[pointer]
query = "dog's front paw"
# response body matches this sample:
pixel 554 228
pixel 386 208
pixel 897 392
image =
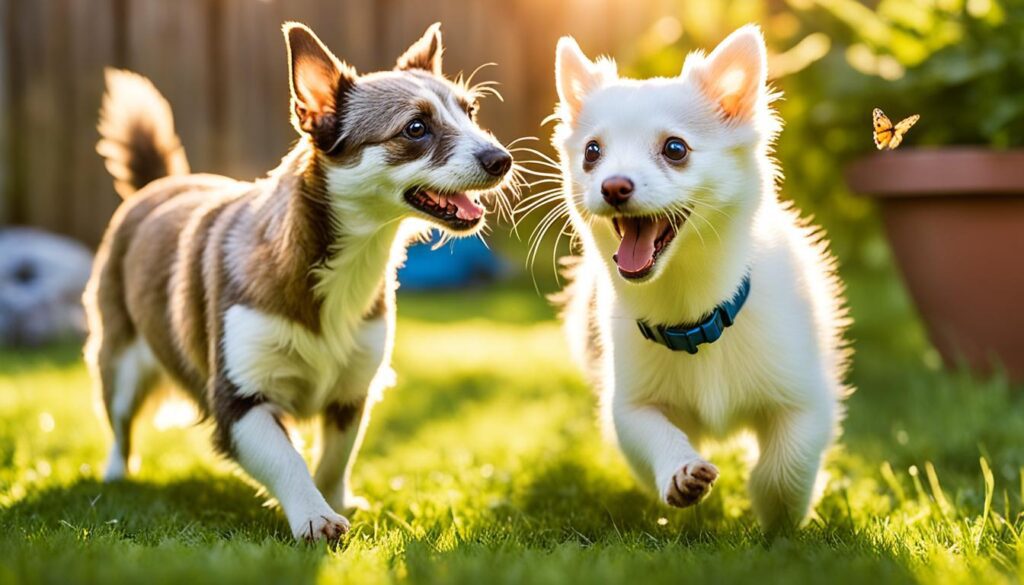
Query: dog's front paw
pixel 690 483
pixel 329 526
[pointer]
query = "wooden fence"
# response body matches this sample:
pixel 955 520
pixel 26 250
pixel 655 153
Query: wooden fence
pixel 221 63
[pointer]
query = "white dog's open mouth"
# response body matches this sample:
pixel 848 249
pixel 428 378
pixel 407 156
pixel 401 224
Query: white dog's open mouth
pixel 456 211
pixel 643 240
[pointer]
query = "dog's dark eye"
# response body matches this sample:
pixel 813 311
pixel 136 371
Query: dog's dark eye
pixel 675 149
pixel 592 152
pixel 415 129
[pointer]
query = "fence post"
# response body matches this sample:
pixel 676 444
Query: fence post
pixel 4 149
pixel 8 197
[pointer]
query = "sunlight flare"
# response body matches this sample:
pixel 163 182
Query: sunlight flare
pixel 175 414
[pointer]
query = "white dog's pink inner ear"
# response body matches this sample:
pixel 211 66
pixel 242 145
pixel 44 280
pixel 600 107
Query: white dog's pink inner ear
pixel 732 90
pixel 733 76
pixel 575 76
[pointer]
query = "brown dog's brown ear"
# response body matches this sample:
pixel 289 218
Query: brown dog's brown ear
pixel 319 82
pixel 425 53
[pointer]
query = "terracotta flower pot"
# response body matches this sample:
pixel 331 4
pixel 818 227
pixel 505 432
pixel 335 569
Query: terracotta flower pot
pixel 955 220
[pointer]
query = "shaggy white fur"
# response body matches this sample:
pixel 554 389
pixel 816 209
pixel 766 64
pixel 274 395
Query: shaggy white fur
pixel 779 370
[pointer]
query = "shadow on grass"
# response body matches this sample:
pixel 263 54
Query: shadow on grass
pixel 569 524
pixel 689 562
pixel 566 496
pixel 201 529
pixel 404 409
pixel 149 512
pixel 591 508
pixel 58 355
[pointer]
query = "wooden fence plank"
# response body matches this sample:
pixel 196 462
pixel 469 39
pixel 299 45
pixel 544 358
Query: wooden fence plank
pixel 222 65
pixel 257 126
pixel 92 199
pixel 168 42
pixel 38 99
pixel 257 129
pixel 356 42
pixel 6 198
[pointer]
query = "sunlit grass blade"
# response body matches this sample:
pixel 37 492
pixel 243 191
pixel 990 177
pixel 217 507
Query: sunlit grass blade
pixel 893 482
pixel 938 495
pixel 990 483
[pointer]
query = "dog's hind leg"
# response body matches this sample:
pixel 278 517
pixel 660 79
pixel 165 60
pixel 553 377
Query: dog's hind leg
pixel 782 483
pixel 343 426
pixel 127 381
pixel 345 420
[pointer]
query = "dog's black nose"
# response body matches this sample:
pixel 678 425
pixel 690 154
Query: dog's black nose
pixel 616 190
pixel 495 161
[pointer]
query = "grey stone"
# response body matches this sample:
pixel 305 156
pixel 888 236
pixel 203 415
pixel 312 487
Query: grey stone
pixel 42 277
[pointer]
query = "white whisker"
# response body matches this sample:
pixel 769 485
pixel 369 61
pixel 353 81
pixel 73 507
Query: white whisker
pixel 542 155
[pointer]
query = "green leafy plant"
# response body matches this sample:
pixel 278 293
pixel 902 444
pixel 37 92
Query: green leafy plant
pixel 956 62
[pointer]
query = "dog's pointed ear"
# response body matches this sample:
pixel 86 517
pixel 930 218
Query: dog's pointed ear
pixel 734 75
pixel 319 83
pixel 576 76
pixel 425 53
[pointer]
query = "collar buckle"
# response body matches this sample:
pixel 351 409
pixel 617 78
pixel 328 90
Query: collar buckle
pixel 646 331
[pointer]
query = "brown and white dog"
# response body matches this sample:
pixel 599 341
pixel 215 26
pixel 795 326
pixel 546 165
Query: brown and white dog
pixel 273 301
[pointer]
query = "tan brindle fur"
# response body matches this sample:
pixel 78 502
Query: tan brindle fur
pixel 184 249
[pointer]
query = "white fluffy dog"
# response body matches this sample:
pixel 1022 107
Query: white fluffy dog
pixel 701 304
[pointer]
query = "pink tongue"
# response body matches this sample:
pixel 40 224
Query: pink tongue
pixel 467 209
pixel 636 251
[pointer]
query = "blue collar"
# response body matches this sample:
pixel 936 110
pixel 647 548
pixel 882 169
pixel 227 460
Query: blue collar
pixel 708 330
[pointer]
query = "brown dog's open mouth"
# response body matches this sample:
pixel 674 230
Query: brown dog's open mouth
pixel 643 239
pixel 456 211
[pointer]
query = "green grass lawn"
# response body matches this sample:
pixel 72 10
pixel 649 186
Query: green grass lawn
pixel 485 465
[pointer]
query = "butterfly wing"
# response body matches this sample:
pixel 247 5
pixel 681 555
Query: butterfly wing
pixel 895 141
pixel 883 128
pixel 879 120
pixel 900 129
pixel 906 123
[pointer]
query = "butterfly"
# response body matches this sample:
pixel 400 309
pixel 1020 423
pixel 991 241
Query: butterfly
pixel 887 135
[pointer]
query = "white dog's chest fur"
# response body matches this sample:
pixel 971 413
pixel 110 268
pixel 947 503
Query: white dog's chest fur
pixel 671 188
pixel 700 393
pixel 779 354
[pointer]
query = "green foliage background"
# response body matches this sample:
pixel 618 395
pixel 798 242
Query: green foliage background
pixel 957 63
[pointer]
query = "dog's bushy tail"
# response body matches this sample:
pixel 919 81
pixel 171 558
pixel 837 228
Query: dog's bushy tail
pixel 137 137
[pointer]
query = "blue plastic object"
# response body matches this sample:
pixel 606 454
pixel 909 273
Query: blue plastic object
pixel 459 263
